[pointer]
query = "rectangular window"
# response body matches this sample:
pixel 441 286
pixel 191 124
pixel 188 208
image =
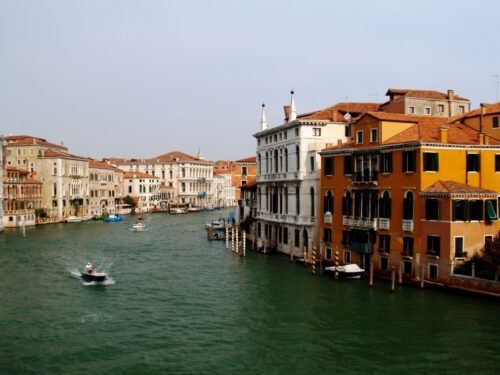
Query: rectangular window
pixel 495 122
pixel 431 209
pixel 409 161
pixel 347 165
pixel 431 161
pixel 347 256
pixel 327 235
pixel 473 163
pixel 440 108
pixel 384 263
pixel 384 243
pixel 328 253
pixel 461 109
pixel 285 236
pixel 244 171
pixel 459 210
pixel 459 247
pixel 476 210
pixel 328 171
pixel 346 238
pixel 407 267
pixel 297 238
pixel 408 246
pixel 312 163
pixel 497 163
pixel 427 110
pixel 433 245
pixel 386 162
pixel 373 135
pixel 317 132
pixel 359 137
pixel 411 110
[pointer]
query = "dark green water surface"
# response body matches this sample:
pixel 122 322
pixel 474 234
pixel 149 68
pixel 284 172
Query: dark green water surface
pixel 180 304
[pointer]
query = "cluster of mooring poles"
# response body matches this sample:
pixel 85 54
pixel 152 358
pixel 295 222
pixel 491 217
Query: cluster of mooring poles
pixel 238 245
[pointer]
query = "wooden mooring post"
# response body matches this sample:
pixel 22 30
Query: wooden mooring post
pixel 371 272
pixel 422 277
pixel 393 278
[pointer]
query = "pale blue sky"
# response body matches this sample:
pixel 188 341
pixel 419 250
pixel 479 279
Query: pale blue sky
pixel 141 78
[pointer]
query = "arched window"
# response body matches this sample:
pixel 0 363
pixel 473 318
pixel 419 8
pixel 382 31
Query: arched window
pixel 286 200
pixel 259 166
pixel 385 205
pixel 275 161
pixel 328 203
pixel 313 211
pixel 286 160
pixel 408 206
pixel 297 201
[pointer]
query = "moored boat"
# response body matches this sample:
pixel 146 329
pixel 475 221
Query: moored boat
pixel 74 219
pixel 113 218
pixel 347 271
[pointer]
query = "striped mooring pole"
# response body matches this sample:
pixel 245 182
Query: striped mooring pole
pixel 314 259
pixel 336 263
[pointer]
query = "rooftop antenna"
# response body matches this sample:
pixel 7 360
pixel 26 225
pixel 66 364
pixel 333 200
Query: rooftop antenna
pixel 496 82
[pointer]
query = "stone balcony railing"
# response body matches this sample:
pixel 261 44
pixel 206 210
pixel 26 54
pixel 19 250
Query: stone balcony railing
pixel 285 218
pixel 364 223
pixel 280 176
pixel 384 223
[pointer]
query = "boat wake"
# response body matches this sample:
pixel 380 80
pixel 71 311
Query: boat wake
pixel 140 230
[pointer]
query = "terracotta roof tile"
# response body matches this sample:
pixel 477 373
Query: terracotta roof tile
pixel 422 94
pixel 26 140
pixel 336 112
pixel 251 159
pixel 60 154
pixel 489 109
pixel 452 187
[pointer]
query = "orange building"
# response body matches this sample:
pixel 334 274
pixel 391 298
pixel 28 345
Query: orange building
pixel 242 171
pixel 410 192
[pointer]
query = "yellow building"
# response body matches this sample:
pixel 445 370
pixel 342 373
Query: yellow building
pixel 410 192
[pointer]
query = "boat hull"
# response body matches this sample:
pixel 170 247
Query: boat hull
pixel 98 277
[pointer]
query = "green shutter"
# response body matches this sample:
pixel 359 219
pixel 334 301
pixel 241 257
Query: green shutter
pixel 490 211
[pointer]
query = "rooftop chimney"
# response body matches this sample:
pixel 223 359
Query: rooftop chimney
pixel 443 134
pixel 481 138
pixel 451 95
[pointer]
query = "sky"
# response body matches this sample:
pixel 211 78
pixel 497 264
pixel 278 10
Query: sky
pixel 122 78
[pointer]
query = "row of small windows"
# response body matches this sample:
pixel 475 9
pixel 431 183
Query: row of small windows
pixel 430 163
pixel 284 136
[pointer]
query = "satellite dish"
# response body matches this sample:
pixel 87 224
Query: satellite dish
pixel 347 116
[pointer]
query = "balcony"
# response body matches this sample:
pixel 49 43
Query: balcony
pixel 327 218
pixel 363 223
pixel 384 223
pixel 408 225
pixel 365 177
pixel 362 247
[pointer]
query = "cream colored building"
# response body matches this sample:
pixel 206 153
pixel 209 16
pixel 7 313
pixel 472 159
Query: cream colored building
pixel 106 185
pixel 1 184
pixel 144 188
pixel 65 180
pixel 191 178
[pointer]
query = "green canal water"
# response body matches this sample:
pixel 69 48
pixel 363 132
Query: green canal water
pixel 177 303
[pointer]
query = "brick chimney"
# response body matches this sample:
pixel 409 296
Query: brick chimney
pixel 481 138
pixel 334 115
pixel 443 134
pixel 451 95
pixel 286 108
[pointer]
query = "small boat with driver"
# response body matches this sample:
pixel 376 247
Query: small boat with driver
pixel 139 225
pixel 89 274
pixel 347 271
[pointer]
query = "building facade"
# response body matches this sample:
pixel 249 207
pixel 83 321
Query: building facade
pixel 409 192
pixel 191 178
pixel 105 188
pixel 65 184
pixel 145 189
pixel 1 184
pixel 288 171
pixel 22 196
pixel 425 103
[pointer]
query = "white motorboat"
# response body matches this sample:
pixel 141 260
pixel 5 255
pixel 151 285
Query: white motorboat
pixel 74 219
pixel 89 274
pixel 139 226
pixel 347 271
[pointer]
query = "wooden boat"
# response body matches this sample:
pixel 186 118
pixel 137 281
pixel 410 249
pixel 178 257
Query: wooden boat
pixel 74 219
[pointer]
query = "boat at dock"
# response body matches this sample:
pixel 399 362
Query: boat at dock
pixel 113 218
pixel 347 271
pixel 74 219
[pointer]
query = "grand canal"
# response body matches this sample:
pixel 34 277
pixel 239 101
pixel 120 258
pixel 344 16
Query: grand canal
pixel 179 304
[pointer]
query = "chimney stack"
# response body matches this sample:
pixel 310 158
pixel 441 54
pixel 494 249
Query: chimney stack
pixel 451 95
pixel 287 112
pixel 443 134
pixel 481 138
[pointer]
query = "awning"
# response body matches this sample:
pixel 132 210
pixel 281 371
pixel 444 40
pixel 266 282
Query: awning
pixel 491 215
